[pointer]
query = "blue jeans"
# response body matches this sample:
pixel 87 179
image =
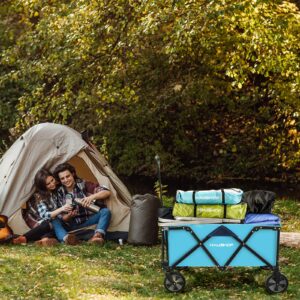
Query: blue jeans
pixel 101 218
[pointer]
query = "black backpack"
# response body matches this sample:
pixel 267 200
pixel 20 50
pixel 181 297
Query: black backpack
pixel 259 201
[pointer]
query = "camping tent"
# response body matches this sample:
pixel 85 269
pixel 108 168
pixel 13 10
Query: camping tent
pixel 47 145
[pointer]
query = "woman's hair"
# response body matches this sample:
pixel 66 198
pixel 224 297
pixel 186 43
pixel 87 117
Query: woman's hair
pixel 40 182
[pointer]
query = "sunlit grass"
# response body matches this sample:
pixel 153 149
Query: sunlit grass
pixel 289 211
pixel 129 272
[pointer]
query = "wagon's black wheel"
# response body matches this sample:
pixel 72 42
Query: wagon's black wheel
pixel 174 282
pixel 276 283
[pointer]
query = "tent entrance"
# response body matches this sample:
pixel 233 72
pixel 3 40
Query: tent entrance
pixel 20 222
pixel 82 169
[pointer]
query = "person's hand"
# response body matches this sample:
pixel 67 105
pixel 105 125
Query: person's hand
pixel 67 217
pixel 86 201
pixel 67 208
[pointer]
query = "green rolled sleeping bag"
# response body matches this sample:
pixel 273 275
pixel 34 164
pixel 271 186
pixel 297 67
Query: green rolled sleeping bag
pixel 235 211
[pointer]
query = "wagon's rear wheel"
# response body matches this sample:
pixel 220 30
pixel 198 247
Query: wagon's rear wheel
pixel 174 282
pixel 276 283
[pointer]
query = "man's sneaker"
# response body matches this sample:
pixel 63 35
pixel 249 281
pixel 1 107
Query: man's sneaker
pixel 97 239
pixel 20 240
pixel 71 239
pixel 47 242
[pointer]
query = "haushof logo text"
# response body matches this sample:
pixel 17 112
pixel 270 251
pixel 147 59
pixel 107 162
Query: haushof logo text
pixel 221 245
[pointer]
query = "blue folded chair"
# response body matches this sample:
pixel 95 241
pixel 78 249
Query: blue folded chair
pixel 267 219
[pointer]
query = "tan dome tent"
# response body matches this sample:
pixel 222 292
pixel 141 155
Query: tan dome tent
pixel 47 145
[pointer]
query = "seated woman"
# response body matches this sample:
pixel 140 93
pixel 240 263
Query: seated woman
pixel 46 204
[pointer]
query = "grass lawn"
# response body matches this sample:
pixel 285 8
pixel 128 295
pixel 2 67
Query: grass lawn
pixel 128 272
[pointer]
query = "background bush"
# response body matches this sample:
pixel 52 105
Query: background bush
pixel 212 87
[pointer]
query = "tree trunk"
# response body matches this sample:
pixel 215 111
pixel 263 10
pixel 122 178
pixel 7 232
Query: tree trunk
pixel 290 239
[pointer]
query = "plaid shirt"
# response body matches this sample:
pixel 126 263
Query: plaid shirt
pixel 31 207
pixel 82 189
pixel 45 207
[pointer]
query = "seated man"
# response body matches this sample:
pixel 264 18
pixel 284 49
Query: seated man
pixel 75 188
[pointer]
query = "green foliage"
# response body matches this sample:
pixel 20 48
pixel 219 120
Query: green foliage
pixel 213 86
pixel 168 201
pixel 160 193
pixel 10 86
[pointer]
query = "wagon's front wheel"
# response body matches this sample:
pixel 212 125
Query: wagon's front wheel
pixel 276 283
pixel 174 282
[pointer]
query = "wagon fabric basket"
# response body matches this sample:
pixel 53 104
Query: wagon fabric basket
pixel 237 211
pixel 221 196
pixel 220 245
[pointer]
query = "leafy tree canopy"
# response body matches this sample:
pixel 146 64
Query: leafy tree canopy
pixel 212 86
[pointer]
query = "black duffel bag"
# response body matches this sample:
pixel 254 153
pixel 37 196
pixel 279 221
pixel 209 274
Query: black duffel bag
pixel 259 201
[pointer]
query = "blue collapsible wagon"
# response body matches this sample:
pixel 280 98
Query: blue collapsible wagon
pixel 221 246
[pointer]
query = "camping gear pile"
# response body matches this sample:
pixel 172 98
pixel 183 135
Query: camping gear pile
pixel 197 239
pixel 222 204
pixel 226 206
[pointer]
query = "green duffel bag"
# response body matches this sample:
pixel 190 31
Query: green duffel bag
pixel 235 211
